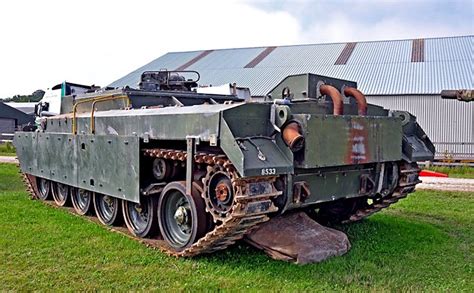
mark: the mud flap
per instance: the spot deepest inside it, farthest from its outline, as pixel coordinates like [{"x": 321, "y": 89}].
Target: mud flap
[{"x": 297, "y": 238}]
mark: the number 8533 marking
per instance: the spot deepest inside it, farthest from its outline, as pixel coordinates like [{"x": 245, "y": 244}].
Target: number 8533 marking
[{"x": 268, "y": 171}]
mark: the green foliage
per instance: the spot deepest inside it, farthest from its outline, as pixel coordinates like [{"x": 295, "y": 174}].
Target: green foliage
[
  {"x": 7, "y": 149},
  {"x": 423, "y": 243},
  {"x": 36, "y": 96},
  {"x": 455, "y": 171},
  {"x": 22, "y": 98}
]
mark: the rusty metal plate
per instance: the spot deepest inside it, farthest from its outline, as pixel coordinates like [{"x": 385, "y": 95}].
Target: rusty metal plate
[{"x": 349, "y": 140}]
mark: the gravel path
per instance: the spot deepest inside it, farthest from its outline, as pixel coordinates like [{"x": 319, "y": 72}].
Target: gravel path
[
  {"x": 451, "y": 184},
  {"x": 6, "y": 159}
]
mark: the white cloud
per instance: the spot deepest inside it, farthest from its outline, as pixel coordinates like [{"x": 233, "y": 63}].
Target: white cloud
[
  {"x": 342, "y": 27},
  {"x": 46, "y": 42}
]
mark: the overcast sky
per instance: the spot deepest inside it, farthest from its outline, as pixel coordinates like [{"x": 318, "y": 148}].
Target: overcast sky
[{"x": 89, "y": 41}]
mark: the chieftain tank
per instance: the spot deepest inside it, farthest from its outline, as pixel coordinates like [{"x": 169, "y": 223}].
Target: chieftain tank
[{"x": 198, "y": 171}]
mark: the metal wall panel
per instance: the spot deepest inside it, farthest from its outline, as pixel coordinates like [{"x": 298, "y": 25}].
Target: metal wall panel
[
  {"x": 448, "y": 123},
  {"x": 7, "y": 126},
  {"x": 226, "y": 59},
  {"x": 303, "y": 55},
  {"x": 381, "y": 52},
  {"x": 449, "y": 49}
]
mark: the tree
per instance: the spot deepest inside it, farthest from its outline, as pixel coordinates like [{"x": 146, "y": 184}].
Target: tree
[
  {"x": 38, "y": 94},
  {"x": 34, "y": 97}
]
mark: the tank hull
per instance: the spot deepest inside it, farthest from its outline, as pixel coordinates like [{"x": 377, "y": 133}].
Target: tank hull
[{"x": 208, "y": 169}]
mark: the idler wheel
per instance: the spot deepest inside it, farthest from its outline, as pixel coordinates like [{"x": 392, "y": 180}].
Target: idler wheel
[
  {"x": 81, "y": 201},
  {"x": 61, "y": 193},
  {"x": 162, "y": 169},
  {"x": 220, "y": 193},
  {"x": 107, "y": 209},
  {"x": 140, "y": 218},
  {"x": 44, "y": 188},
  {"x": 182, "y": 217}
]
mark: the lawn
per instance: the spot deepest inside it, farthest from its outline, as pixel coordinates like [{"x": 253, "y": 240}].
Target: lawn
[
  {"x": 7, "y": 149},
  {"x": 425, "y": 242}
]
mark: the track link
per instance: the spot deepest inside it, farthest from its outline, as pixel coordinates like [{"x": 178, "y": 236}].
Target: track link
[
  {"x": 406, "y": 184},
  {"x": 249, "y": 209}
]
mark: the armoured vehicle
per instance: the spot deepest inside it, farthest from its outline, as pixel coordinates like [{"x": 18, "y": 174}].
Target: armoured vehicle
[{"x": 200, "y": 170}]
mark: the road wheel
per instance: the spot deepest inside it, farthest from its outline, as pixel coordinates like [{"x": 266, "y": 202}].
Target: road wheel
[
  {"x": 44, "y": 188},
  {"x": 182, "y": 217},
  {"x": 107, "y": 209},
  {"x": 61, "y": 193},
  {"x": 81, "y": 201},
  {"x": 140, "y": 218}
]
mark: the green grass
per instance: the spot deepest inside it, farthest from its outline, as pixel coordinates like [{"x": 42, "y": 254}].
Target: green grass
[
  {"x": 7, "y": 149},
  {"x": 454, "y": 172},
  {"x": 425, "y": 242}
]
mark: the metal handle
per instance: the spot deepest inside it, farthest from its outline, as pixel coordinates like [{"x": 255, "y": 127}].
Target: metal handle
[{"x": 94, "y": 101}]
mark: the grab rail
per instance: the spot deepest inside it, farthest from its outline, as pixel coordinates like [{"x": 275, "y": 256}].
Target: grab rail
[{"x": 94, "y": 101}]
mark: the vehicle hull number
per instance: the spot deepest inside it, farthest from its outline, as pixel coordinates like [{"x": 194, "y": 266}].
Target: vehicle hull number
[{"x": 268, "y": 171}]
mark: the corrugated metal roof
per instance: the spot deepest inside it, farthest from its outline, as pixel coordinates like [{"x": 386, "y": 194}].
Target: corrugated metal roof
[
  {"x": 379, "y": 68},
  {"x": 167, "y": 61}
]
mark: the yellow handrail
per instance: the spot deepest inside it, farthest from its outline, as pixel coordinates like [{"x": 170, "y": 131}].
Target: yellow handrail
[
  {"x": 127, "y": 104},
  {"x": 94, "y": 101}
]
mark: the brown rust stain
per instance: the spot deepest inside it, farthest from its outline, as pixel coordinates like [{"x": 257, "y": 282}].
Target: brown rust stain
[
  {"x": 358, "y": 142},
  {"x": 345, "y": 54},
  {"x": 418, "y": 50},
  {"x": 195, "y": 59},
  {"x": 260, "y": 57}
]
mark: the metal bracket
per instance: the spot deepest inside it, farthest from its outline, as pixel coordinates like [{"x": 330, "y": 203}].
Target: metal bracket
[
  {"x": 146, "y": 137},
  {"x": 301, "y": 191},
  {"x": 153, "y": 188},
  {"x": 273, "y": 118},
  {"x": 177, "y": 102},
  {"x": 191, "y": 151},
  {"x": 213, "y": 140}
]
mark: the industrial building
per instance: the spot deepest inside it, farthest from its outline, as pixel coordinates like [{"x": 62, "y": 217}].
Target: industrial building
[
  {"x": 398, "y": 74},
  {"x": 11, "y": 119},
  {"x": 25, "y": 107}
]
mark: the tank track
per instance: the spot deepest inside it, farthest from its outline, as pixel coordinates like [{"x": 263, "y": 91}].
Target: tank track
[
  {"x": 406, "y": 184},
  {"x": 248, "y": 212}
]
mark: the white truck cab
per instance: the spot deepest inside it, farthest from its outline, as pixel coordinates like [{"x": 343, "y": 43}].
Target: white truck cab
[{"x": 50, "y": 104}]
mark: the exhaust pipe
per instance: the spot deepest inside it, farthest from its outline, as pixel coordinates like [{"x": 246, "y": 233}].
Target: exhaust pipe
[
  {"x": 360, "y": 98},
  {"x": 293, "y": 137},
  {"x": 335, "y": 96}
]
